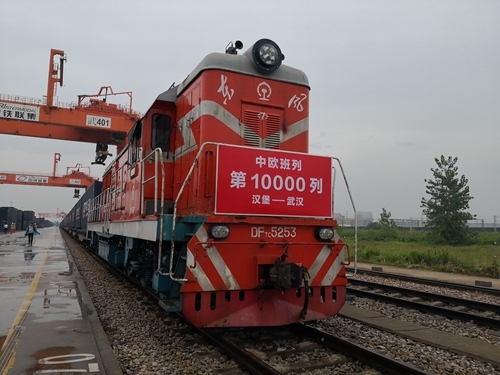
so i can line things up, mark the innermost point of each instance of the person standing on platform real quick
(5, 228)
(30, 231)
(12, 228)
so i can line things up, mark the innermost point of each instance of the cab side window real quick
(134, 142)
(160, 135)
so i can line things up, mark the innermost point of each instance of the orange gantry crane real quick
(93, 120)
(74, 177)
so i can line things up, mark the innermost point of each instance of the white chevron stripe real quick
(219, 264)
(201, 276)
(334, 269)
(296, 129)
(214, 109)
(318, 262)
(211, 108)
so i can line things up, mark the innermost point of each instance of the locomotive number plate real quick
(273, 232)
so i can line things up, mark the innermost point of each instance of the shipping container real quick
(28, 217)
(8, 215)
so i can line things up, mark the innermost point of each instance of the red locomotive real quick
(216, 205)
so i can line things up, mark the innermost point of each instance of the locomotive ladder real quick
(158, 159)
(117, 189)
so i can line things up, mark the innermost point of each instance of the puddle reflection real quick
(29, 254)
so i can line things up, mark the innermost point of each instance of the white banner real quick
(19, 111)
(34, 179)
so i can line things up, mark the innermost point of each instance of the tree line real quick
(446, 209)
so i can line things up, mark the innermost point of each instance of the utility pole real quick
(495, 252)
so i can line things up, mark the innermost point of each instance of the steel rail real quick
(420, 280)
(244, 358)
(362, 354)
(248, 362)
(477, 305)
(419, 306)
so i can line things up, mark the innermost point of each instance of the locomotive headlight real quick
(324, 234)
(267, 55)
(218, 231)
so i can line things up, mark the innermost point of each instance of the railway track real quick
(455, 308)
(174, 347)
(371, 357)
(418, 280)
(334, 350)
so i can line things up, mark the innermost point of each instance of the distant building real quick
(338, 216)
(365, 215)
(364, 218)
(414, 223)
(411, 223)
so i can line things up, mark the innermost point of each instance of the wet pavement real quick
(47, 321)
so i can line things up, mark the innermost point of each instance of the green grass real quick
(412, 250)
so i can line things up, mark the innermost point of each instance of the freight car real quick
(76, 219)
(215, 204)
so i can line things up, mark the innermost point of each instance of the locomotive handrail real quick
(355, 215)
(94, 209)
(117, 189)
(158, 155)
(122, 185)
(188, 176)
(348, 255)
(100, 207)
(106, 208)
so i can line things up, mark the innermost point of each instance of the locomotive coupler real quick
(285, 275)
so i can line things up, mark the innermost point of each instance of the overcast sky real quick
(393, 84)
